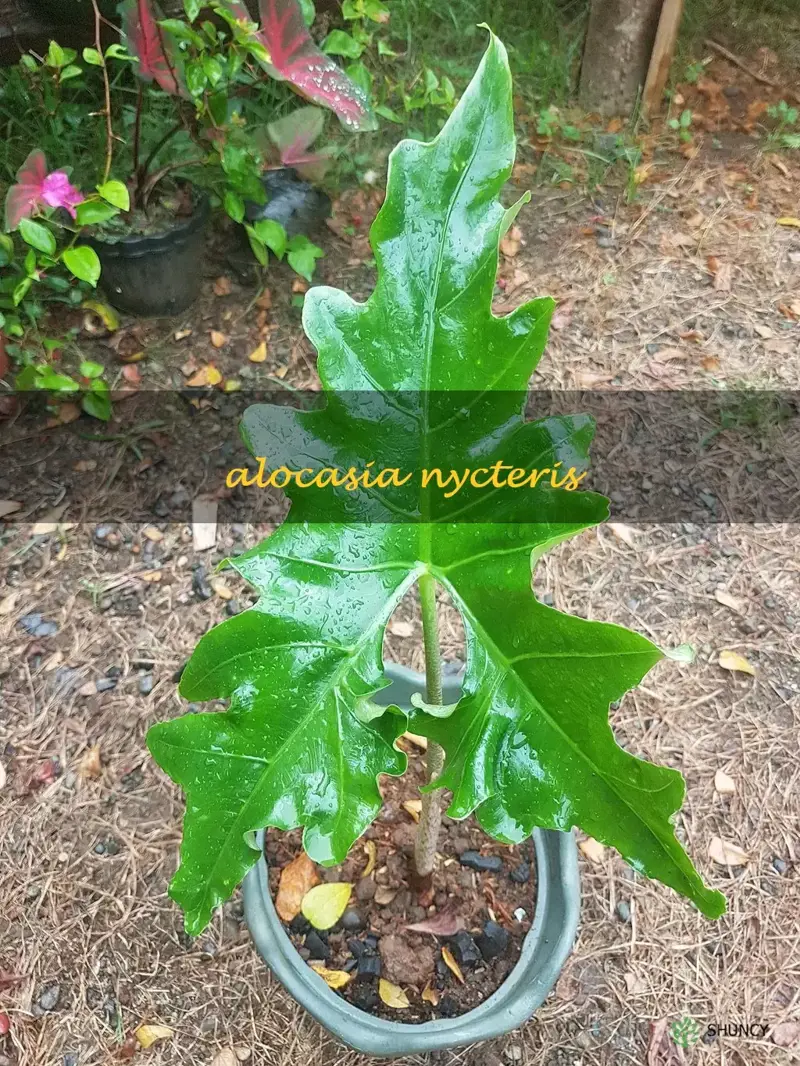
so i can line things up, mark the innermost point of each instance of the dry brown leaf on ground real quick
(206, 376)
(226, 1057)
(727, 854)
(90, 765)
(452, 965)
(725, 598)
(8, 507)
(219, 340)
(8, 603)
(731, 660)
(510, 244)
(416, 740)
(624, 533)
(786, 1034)
(297, 878)
(392, 995)
(724, 784)
(445, 923)
(147, 1035)
(384, 895)
(371, 849)
(414, 808)
(430, 995)
(401, 629)
(661, 1051)
(592, 849)
(222, 286)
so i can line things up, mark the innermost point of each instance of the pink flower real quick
(36, 188)
(58, 192)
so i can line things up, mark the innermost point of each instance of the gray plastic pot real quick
(544, 952)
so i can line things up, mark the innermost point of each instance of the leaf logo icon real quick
(685, 1033)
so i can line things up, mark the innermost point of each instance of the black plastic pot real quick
(158, 274)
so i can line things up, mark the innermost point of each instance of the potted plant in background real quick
(209, 67)
(420, 376)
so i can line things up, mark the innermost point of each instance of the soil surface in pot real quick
(479, 884)
(167, 207)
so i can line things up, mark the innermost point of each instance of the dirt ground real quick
(90, 945)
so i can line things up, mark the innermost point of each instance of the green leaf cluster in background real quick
(530, 742)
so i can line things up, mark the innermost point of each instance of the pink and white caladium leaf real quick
(294, 57)
(312, 74)
(146, 41)
(35, 188)
(293, 136)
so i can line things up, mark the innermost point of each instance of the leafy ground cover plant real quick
(421, 375)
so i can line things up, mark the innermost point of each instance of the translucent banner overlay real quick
(701, 457)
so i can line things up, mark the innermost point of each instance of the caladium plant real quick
(529, 743)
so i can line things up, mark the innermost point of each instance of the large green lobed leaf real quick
(420, 375)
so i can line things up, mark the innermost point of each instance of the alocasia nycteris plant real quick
(529, 743)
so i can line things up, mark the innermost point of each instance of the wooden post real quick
(663, 54)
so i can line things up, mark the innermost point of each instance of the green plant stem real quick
(430, 818)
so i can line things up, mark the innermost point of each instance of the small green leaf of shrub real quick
(83, 263)
(115, 193)
(93, 212)
(302, 256)
(339, 43)
(37, 236)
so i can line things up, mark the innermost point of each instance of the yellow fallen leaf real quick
(723, 784)
(332, 978)
(206, 375)
(324, 905)
(232, 385)
(148, 1035)
(430, 995)
(788, 220)
(391, 995)
(452, 965)
(730, 660)
(414, 808)
(90, 765)
(372, 855)
(218, 339)
(106, 314)
(592, 849)
(297, 877)
(152, 533)
(152, 577)
(219, 585)
(727, 854)
(259, 354)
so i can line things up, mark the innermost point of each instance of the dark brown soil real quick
(413, 960)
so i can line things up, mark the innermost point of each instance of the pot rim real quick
(544, 951)
(134, 245)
